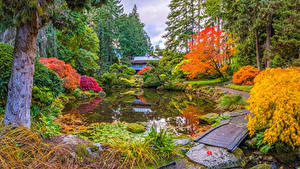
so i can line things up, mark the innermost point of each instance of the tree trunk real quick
(18, 103)
(257, 50)
(268, 41)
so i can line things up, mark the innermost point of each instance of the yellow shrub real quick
(275, 103)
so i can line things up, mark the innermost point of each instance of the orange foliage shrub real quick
(209, 51)
(275, 102)
(64, 71)
(142, 71)
(245, 76)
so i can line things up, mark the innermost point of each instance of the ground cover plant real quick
(245, 88)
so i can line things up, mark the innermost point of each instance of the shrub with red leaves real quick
(89, 83)
(64, 71)
(142, 71)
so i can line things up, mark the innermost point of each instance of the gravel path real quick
(246, 95)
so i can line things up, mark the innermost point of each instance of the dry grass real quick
(21, 148)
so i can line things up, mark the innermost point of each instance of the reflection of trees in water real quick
(71, 122)
(83, 108)
(118, 106)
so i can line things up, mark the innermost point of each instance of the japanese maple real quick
(209, 52)
(89, 83)
(64, 71)
(142, 71)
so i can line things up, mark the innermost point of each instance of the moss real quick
(136, 128)
(81, 151)
(239, 154)
(93, 148)
(262, 166)
(209, 118)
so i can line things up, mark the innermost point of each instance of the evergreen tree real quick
(183, 21)
(28, 17)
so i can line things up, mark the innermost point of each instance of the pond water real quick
(165, 109)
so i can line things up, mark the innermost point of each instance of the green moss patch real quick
(136, 128)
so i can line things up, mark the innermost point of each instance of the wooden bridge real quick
(229, 134)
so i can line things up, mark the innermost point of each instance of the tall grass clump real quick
(232, 102)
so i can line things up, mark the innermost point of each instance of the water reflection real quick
(163, 109)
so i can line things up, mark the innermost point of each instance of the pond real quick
(166, 109)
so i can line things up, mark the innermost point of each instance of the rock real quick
(182, 141)
(136, 128)
(102, 94)
(219, 157)
(208, 118)
(262, 166)
(251, 143)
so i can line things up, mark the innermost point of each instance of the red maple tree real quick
(209, 51)
(65, 71)
(89, 83)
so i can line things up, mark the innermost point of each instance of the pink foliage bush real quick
(89, 83)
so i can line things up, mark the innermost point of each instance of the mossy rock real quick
(239, 154)
(209, 118)
(262, 166)
(136, 128)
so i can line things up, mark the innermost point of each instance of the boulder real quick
(215, 157)
(209, 118)
(262, 166)
(182, 141)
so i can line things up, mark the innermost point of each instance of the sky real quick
(153, 13)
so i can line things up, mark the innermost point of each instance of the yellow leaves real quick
(275, 103)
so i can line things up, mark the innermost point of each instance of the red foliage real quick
(245, 76)
(209, 51)
(89, 83)
(64, 71)
(142, 71)
(84, 108)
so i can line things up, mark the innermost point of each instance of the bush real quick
(43, 77)
(275, 103)
(6, 52)
(232, 102)
(142, 71)
(64, 71)
(89, 83)
(245, 75)
(136, 128)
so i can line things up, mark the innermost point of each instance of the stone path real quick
(246, 95)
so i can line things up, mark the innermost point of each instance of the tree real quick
(209, 53)
(29, 17)
(182, 23)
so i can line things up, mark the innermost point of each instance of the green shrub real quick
(136, 128)
(43, 77)
(232, 102)
(6, 52)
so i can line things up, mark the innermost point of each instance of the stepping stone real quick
(215, 157)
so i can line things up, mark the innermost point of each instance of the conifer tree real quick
(28, 16)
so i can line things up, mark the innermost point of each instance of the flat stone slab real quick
(219, 157)
(182, 141)
(229, 134)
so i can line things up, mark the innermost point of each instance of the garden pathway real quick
(246, 95)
